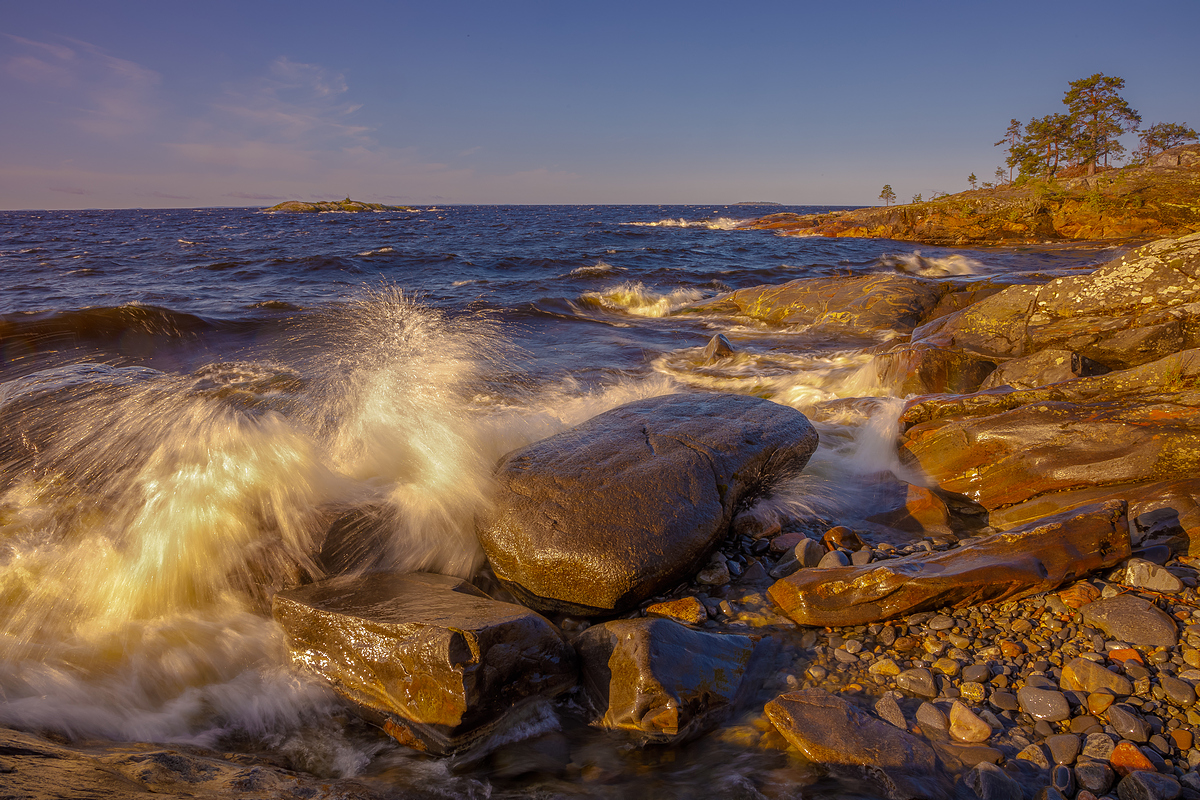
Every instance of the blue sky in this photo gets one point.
(173, 104)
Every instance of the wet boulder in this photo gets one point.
(600, 517)
(1042, 369)
(435, 661)
(1133, 310)
(923, 369)
(662, 681)
(1129, 618)
(830, 731)
(885, 301)
(1004, 566)
(1003, 448)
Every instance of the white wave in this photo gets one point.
(634, 298)
(377, 251)
(184, 241)
(933, 266)
(716, 224)
(599, 268)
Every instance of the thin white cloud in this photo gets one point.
(109, 96)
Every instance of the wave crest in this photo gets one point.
(634, 298)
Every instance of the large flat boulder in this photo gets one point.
(434, 660)
(662, 681)
(1044, 447)
(1030, 560)
(830, 731)
(886, 301)
(1131, 311)
(600, 517)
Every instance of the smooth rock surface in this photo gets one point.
(1083, 675)
(600, 517)
(437, 661)
(828, 730)
(1026, 561)
(1131, 619)
(661, 681)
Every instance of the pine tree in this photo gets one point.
(887, 195)
(1012, 137)
(1047, 140)
(1098, 117)
(1163, 136)
(971, 179)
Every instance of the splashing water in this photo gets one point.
(933, 266)
(715, 224)
(634, 298)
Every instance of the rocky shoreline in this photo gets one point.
(1156, 200)
(1023, 623)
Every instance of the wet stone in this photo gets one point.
(931, 719)
(1064, 747)
(1098, 746)
(688, 610)
(1063, 779)
(1129, 618)
(1178, 692)
(1098, 702)
(1085, 724)
(1094, 776)
(1128, 723)
(918, 682)
(1005, 701)
(1160, 743)
(1147, 575)
(989, 782)
(834, 558)
(941, 622)
(976, 673)
(884, 666)
(1148, 786)
(889, 711)
(972, 692)
(1127, 757)
(966, 726)
(1043, 704)
(1034, 754)
(1084, 675)
(809, 552)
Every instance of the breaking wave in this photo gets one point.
(634, 298)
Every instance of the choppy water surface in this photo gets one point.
(189, 397)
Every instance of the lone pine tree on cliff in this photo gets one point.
(887, 195)
(1099, 116)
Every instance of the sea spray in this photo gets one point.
(634, 298)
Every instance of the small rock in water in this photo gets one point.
(1098, 746)
(1094, 776)
(989, 782)
(1044, 704)
(1064, 747)
(809, 552)
(1128, 723)
(1080, 674)
(1127, 758)
(718, 350)
(716, 573)
(1180, 693)
(839, 537)
(1131, 619)
(917, 681)
(966, 726)
(889, 711)
(1148, 786)
(932, 719)
(834, 558)
(1035, 755)
(688, 610)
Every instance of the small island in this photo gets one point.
(757, 203)
(346, 206)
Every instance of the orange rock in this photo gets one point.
(1011, 649)
(1125, 654)
(1079, 594)
(1098, 702)
(1182, 737)
(841, 536)
(1127, 758)
(686, 609)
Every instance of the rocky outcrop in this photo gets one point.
(1128, 312)
(661, 681)
(828, 730)
(1035, 559)
(600, 517)
(1159, 199)
(438, 663)
(857, 305)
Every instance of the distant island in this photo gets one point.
(346, 206)
(757, 203)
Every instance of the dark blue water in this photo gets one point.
(185, 395)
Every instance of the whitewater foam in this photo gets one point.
(932, 266)
(634, 298)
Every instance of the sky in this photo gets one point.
(171, 104)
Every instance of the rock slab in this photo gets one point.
(1029, 560)
(600, 517)
(438, 663)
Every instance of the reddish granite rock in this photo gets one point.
(1034, 559)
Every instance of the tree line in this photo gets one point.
(1088, 135)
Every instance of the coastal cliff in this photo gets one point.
(1159, 199)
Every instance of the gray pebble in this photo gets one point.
(931, 718)
(1044, 704)
(834, 558)
(1095, 776)
(1064, 747)
(976, 673)
(889, 711)
(1148, 786)
(1128, 723)
(917, 681)
(989, 782)
(1178, 692)
(1098, 746)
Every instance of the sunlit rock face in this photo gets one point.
(600, 517)
(439, 663)
(1034, 559)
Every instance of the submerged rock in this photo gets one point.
(1030, 560)
(600, 517)
(436, 661)
(662, 681)
(830, 731)
(718, 350)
